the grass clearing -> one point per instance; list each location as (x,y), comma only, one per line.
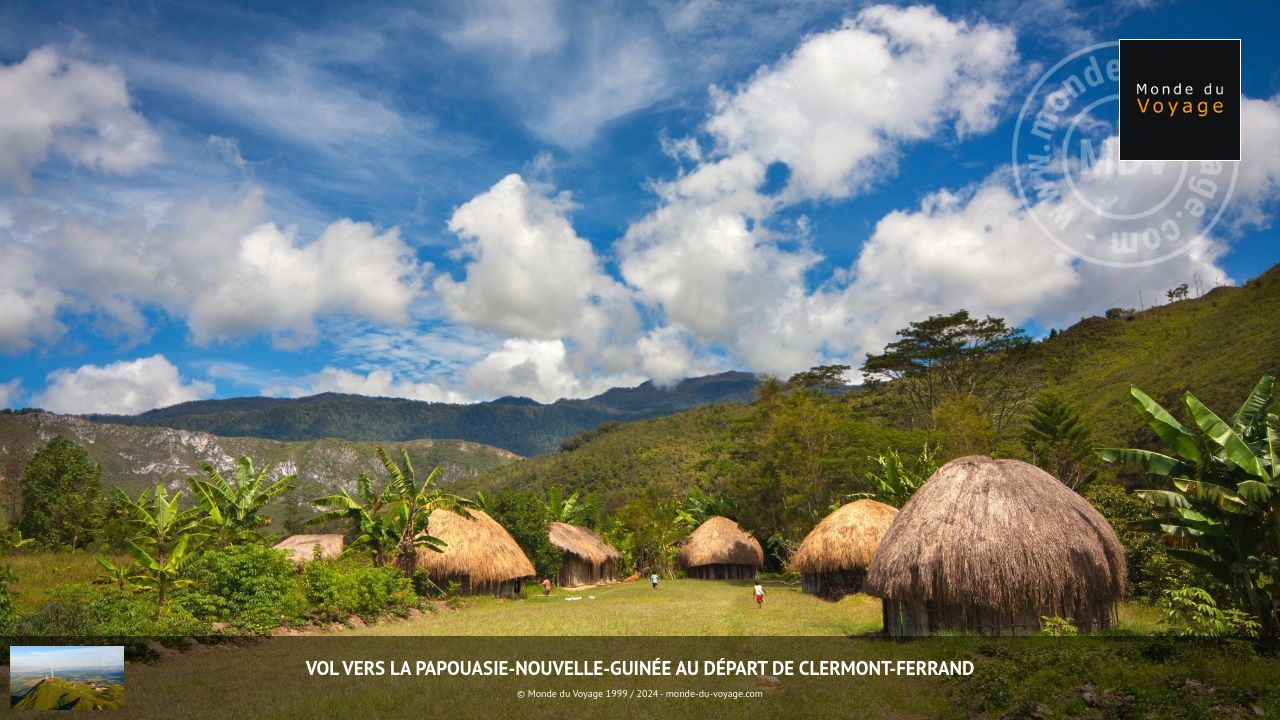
(39,571)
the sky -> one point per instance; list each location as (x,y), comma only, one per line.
(457,202)
(28,658)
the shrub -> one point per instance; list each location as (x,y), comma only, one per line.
(1152,572)
(80,610)
(7,611)
(1192,612)
(1058,627)
(336,589)
(250,587)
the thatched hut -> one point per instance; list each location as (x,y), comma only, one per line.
(481,555)
(587,558)
(991,546)
(720,550)
(302,548)
(835,555)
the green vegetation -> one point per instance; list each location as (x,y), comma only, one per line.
(59,694)
(61,498)
(1059,441)
(1223,513)
(233,509)
(525,515)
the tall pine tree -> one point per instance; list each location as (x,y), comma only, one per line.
(1059,440)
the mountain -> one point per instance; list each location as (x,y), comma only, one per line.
(520,425)
(59,694)
(133,457)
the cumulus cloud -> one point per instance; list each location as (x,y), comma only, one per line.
(77,109)
(222,267)
(834,113)
(376,383)
(10,392)
(536,369)
(120,388)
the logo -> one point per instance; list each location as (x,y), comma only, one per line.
(1068,172)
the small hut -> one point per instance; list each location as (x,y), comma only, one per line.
(587,558)
(835,555)
(302,548)
(991,546)
(720,550)
(480,555)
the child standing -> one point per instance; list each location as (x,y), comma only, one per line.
(653,579)
(759,591)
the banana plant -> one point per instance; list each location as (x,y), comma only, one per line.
(367,514)
(14,541)
(413,507)
(162,572)
(234,507)
(1223,513)
(162,545)
(119,575)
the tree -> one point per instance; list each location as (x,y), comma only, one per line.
(162,540)
(61,496)
(949,356)
(1223,513)
(234,507)
(820,378)
(964,428)
(1059,441)
(524,514)
(1177,293)
(560,508)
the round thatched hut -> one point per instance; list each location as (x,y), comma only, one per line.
(587,558)
(481,555)
(720,550)
(302,548)
(991,546)
(835,555)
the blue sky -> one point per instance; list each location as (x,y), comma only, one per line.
(28,658)
(457,202)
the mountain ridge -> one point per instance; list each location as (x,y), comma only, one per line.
(519,425)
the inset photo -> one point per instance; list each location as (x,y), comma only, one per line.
(59,677)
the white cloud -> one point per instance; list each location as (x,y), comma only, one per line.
(525,28)
(120,388)
(10,392)
(220,266)
(535,369)
(78,109)
(836,110)
(28,309)
(376,383)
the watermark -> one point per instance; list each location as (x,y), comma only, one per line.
(1067,168)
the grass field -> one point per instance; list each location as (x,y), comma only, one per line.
(39,571)
(677,607)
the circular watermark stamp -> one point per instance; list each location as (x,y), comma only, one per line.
(1067,168)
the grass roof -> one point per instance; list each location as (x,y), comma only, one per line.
(719,541)
(846,539)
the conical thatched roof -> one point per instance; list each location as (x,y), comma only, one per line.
(301,548)
(845,539)
(719,541)
(479,548)
(998,534)
(582,542)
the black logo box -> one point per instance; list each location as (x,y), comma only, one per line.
(1186,68)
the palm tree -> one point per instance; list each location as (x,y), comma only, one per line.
(234,507)
(118,575)
(162,546)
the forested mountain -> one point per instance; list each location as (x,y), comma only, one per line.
(520,425)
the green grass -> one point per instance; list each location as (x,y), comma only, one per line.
(40,571)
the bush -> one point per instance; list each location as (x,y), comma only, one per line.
(1152,571)
(81,610)
(1192,612)
(250,587)
(1055,626)
(337,589)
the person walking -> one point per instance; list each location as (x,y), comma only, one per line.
(653,579)
(546,587)
(759,591)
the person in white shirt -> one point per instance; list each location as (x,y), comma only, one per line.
(759,590)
